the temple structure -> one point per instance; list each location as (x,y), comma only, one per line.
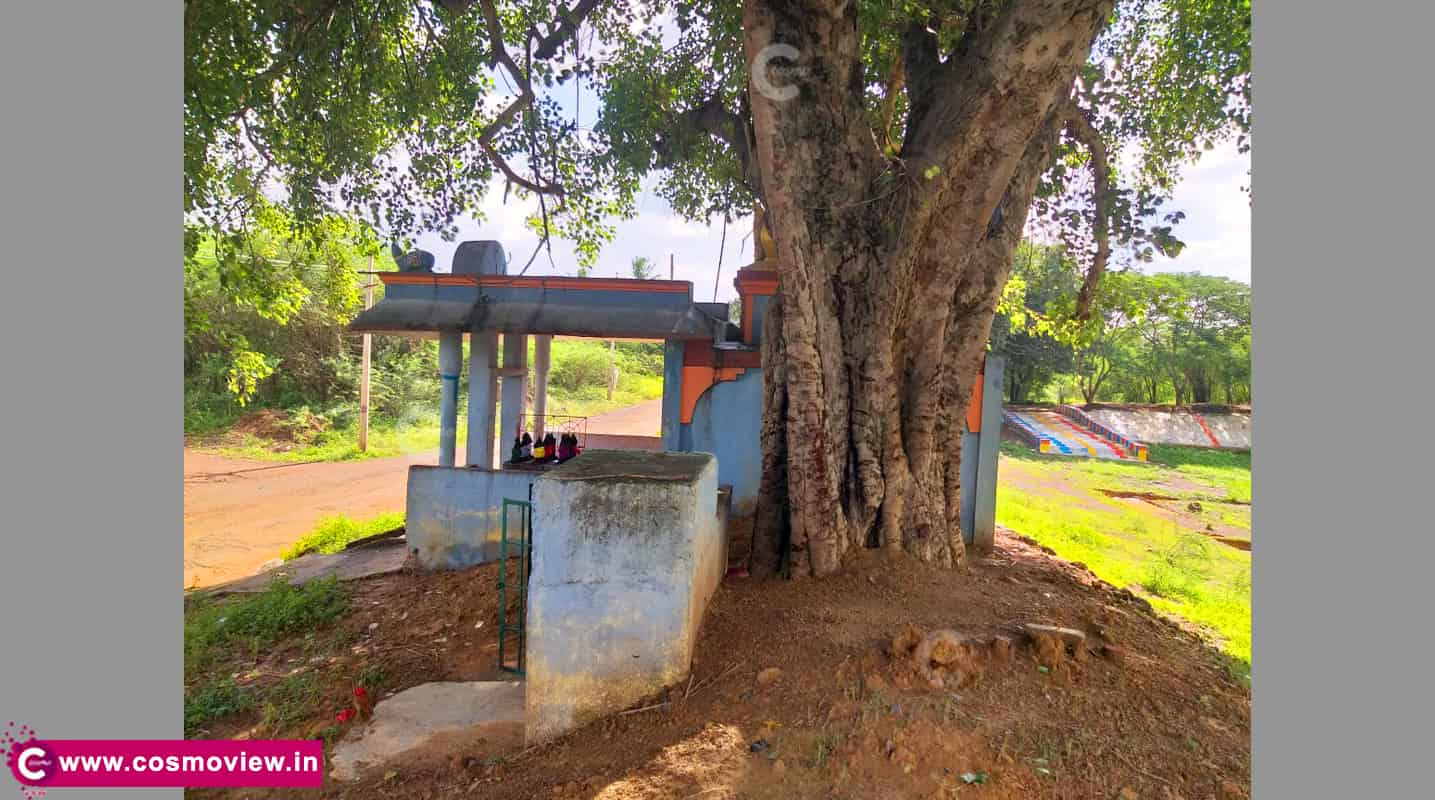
(712,378)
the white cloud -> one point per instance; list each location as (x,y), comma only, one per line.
(1217,227)
(1217,232)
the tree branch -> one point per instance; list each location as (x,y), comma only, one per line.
(1079,124)
(993,97)
(1030,43)
(896,82)
(498,55)
(922,69)
(568,25)
(712,118)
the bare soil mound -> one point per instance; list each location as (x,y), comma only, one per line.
(892,680)
(278,426)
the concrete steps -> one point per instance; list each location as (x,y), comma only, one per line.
(1065,437)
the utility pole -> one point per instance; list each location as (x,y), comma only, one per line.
(364,372)
(672,270)
(612,368)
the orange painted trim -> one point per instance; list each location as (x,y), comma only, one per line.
(697,380)
(713,357)
(753,281)
(524,282)
(756,281)
(974,409)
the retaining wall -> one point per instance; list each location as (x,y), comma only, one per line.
(1177,425)
(453,513)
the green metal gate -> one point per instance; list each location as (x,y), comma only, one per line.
(515,542)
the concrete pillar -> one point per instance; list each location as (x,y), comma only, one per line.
(984,522)
(515,378)
(450,364)
(971,452)
(482,397)
(672,393)
(542,350)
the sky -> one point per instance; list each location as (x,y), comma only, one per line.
(1217,232)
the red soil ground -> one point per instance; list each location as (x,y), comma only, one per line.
(1141,710)
(239,514)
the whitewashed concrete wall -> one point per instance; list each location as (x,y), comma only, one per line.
(1154,426)
(453,516)
(628,550)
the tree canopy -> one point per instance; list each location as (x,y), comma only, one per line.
(893,154)
(404,114)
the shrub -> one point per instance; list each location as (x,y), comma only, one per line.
(580,365)
(332,534)
(217,700)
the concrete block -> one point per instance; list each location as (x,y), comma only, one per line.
(479,258)
(453,518)
(627,552)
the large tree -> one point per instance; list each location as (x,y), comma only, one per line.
(892,151)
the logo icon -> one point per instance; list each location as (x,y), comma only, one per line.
(30,760)
(763,65)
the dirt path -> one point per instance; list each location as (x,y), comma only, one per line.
(643,419)
(240,513)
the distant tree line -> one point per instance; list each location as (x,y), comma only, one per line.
(1151,338)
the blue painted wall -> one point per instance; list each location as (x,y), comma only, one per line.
(727,422)
(759,308)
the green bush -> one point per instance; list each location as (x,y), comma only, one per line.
(217,700)
(579,365)
(333,533)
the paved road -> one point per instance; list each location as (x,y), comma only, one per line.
(238,514)
(643,419)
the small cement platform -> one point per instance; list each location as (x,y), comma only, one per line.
(636,465)
(346,565)
(430,717)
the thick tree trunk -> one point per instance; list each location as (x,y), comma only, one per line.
(890,268)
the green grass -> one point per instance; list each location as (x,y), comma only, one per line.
(213,626)
(332,534)
(1182,572)
(215,701)
(1218,475)
(220,632)
(1222,469)
(290,701)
